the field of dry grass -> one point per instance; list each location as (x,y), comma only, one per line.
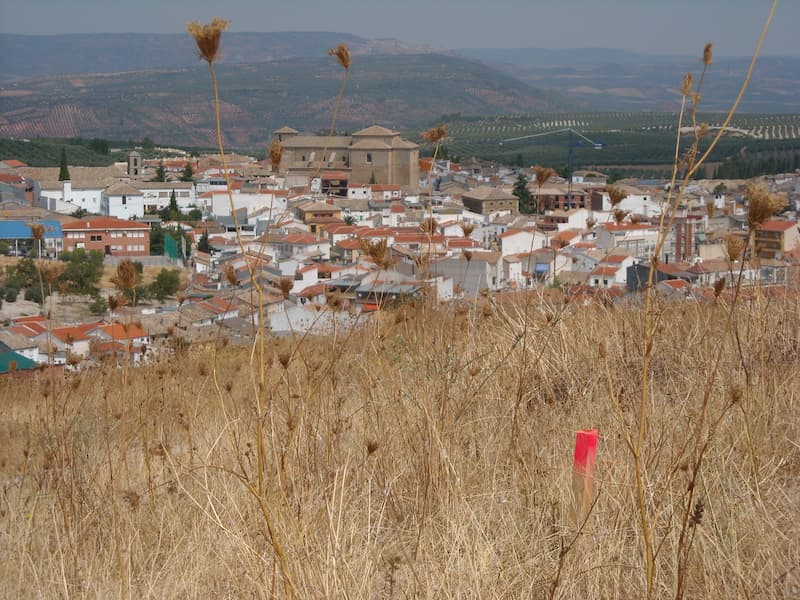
(428,455)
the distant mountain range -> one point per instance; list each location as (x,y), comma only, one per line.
(605,79)
(25,56)
(124,86)
(403,91)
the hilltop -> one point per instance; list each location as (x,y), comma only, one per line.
(403,91)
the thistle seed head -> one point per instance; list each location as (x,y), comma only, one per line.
(434,135)
(207,37)
(686,86)
(275,155)
(707,52)
(761,204)
(342,54)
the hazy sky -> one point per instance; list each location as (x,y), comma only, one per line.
(657,26)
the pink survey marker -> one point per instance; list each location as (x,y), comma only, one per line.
(583,473)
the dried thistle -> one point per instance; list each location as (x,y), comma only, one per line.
(333,299)
(37,231)
(734,246)
(719,285)
(230,275)
(342,54)
(707,52)
(735,393)
(285,285)
(51,272)
(635,219)
(372,446)
(127,277)
(377,251)
(619,215)
(761,204)
(275,155)
(434,135)
(429,226)
(467,255)
(467,228)
(207,37)
(543,174)
(686,86)
(590,222)
(616,194)
(284,358)
(697,514)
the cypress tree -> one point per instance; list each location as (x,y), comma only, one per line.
(63,171)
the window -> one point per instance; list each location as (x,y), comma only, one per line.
(369,158)
(96,238)
(124,200)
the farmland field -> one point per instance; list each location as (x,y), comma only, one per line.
(628,138)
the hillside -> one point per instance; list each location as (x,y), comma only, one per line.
(25,56)
(402,91)
(44,153)
(613,80)
(427,455)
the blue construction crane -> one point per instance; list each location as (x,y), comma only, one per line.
(575,139)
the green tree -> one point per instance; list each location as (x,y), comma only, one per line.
(98,306)
(148,144)
(195,214)
(188,173)
(203,244)
(79,213)
(98,145)
(161,174)
(63,170)
(157,234)
(83,270)
(523,194)
(349,220)
(170,212)
(167,282)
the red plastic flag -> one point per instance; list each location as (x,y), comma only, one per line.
(583,472)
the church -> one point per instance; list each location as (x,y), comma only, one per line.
(372,155)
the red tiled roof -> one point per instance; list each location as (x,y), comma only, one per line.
(676,283)
(616,258)
(14,163)
(777,225)
(74,334)
(605,271)
(118,331)
(628,226)
(349,244)
(96,223)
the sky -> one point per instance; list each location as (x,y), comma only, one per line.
(653,26)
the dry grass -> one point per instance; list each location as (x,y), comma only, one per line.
(390,469)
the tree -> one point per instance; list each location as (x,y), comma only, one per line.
(157,234)
(63,170)
(83,270)
(161,174)
(523,194)
(195,214)
(167,282)
(98,145)
(188,173)
(349,220)
(203,244)
(171,212)
(148,144)
(79,213)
